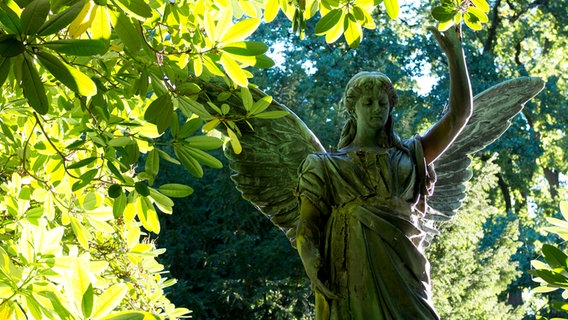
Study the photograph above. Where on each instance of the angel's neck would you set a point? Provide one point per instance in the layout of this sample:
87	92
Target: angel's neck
370	139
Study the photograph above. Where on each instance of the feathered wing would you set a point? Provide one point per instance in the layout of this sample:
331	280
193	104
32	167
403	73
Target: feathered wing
493	110
266	171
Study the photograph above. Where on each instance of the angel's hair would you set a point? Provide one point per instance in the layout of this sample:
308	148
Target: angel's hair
360	83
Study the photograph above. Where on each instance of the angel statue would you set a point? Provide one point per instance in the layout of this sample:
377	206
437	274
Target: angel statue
361	217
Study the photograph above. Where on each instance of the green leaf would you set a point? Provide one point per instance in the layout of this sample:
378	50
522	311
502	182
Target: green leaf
69	76
175	190
128	33
77	47
168	158
189	128
246	96
392	8
114	191
189	107
480	15
82	163
84	179
119	205
444	13
245	48
138	9
4	72
263	62
353	31
261	104
271	114
550	277
33	87
204	142
10	46
33	16
142	188
161	199
61	20
560	305
159	112
121	141
204	157
87	301
9	19
555	257
328	21
188	161
152	165
241	30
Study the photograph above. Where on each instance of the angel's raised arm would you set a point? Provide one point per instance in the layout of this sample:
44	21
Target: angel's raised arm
439	137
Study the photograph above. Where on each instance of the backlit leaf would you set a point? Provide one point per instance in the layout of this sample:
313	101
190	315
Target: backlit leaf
392	8
100	28
481	4
159	112
234	71
271	10
147	214
245	48
10	19
119	206
241	30
353	31
109	299
82	235
82	21
234	140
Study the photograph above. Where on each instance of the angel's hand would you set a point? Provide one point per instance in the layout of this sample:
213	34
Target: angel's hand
449	40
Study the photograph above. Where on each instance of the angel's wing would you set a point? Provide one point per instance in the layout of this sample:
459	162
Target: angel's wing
266	171
493	110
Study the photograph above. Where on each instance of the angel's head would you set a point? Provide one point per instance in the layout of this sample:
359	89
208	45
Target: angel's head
360	88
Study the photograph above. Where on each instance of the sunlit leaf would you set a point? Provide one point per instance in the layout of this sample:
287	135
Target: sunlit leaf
271	114
101	26
109	299
392	8
481	4
240	31
234	140
82	235
353	31
336	31
271	10
83	20
233	70
131	315
147	214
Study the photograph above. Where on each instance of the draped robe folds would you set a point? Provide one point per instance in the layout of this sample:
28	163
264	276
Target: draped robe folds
371	241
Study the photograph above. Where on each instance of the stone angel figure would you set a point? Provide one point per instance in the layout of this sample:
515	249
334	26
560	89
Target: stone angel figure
362	216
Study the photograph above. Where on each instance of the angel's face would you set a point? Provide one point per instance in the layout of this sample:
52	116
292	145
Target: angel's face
372	109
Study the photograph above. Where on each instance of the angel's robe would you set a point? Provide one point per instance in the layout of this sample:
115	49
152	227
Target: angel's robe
371	244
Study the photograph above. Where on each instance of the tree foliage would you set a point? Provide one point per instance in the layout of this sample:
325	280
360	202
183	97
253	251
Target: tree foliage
87	87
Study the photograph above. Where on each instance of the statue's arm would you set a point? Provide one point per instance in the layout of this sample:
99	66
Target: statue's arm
443	133
309	233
